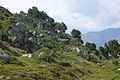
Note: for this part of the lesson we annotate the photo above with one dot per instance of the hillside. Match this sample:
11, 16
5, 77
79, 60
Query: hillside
56, 66
35, 47
99, 38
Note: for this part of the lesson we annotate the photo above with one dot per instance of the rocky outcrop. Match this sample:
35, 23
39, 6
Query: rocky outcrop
26, 36
4, 57
3, 54
45, 26
17, 30
2, 10
84, 56
29, 29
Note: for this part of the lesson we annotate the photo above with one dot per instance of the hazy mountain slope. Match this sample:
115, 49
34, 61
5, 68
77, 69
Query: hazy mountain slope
117, 38
102, 37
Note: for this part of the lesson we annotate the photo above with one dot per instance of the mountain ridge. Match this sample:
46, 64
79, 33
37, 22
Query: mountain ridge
101, 37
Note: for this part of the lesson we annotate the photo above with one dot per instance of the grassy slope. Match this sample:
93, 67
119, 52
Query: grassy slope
80, 70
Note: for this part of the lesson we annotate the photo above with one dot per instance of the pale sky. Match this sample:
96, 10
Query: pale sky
85, 15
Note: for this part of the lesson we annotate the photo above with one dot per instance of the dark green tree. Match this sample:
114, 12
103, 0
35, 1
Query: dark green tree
64, 27
50, 20
60, 26
113, 48
34, 12
75, 33
103, 52
64, 36
91, 46
22, 13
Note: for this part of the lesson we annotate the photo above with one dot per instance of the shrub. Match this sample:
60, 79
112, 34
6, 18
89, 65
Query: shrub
115, 62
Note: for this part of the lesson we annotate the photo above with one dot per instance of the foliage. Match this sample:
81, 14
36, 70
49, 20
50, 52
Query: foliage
60, 26
114, 48
111, 49
75, 33
50, 20
65, 36
35, 13
91, 46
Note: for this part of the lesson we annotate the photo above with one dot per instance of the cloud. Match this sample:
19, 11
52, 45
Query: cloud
85, 15
96, 15
72, 14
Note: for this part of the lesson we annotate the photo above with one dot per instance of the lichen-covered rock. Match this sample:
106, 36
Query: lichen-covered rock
84, 56
4, 57
3, 54
16, 30
45, 26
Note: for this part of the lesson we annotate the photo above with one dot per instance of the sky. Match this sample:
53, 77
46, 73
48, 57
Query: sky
84, 15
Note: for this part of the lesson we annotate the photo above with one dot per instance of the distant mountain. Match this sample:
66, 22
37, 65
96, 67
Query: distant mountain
99, 38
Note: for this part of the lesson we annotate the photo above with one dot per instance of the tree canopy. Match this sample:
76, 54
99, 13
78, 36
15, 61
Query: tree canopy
75, 33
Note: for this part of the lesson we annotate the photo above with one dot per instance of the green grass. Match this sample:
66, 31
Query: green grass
60, 66
80, 70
